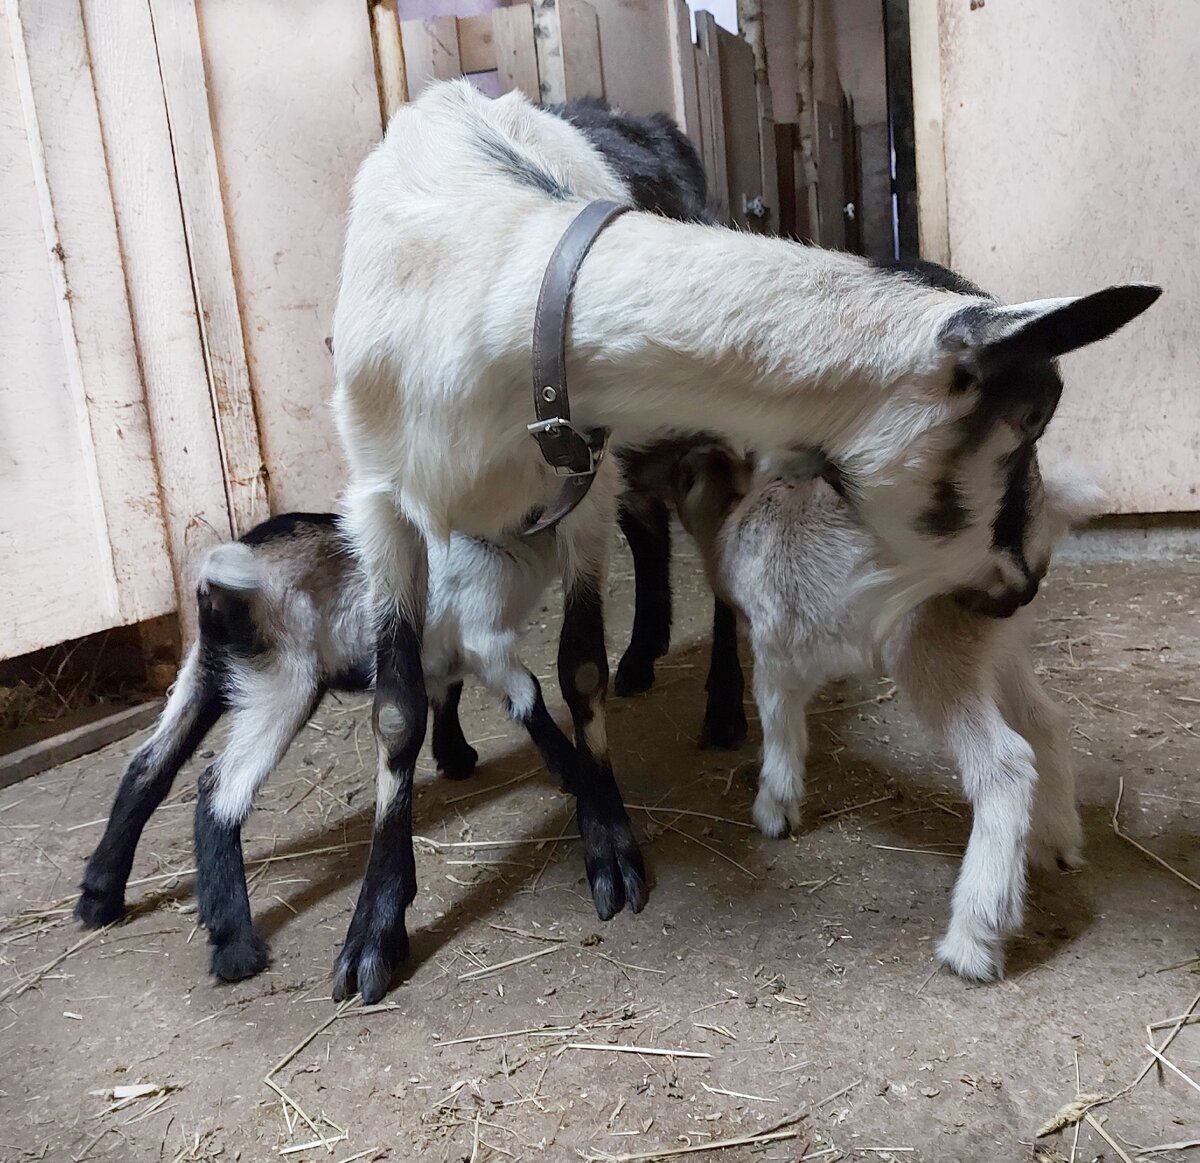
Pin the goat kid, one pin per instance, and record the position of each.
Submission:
(929, 406)
(284, 617)
(790, 556)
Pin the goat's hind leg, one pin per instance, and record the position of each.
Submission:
(275, 703)
(615, 868)
(454, 756)
(724, 713)
(646, 523)
(194, 706)
(394, 554)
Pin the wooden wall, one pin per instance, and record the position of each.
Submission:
(1057, 153)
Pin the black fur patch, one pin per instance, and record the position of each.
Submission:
(947, 515)
(287, 525)
(930, 274)
(651, 155)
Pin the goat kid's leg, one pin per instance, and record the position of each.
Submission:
(646, 524)
(396, 559)
(615, 869)
(195, 705)
(274, 705)
(724, 713)
(454, 756)
(1056, 835)
(782, 708)
(998, 774)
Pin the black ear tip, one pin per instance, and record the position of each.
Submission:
(1141, 295)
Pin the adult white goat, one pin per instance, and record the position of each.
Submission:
(925, 404)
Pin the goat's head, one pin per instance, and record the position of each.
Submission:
(961, 509)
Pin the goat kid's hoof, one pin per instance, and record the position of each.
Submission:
(96, 909)
(1064, 853)
(616, 871)
(776, 818)
(634, 676)
(368, 963)
(973, 960)
(460, 765)
(244, 956)
(726, 733)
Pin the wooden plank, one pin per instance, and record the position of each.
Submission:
(71, 744)
(389, 58)
(476, 43)
(768, 162)
(430, 51)
(579, 37)
(637, 38)
(58, 103)
(137, 144)
(831, 175)
(516, 51)
(712, 110)
(294, 111)
(57, 583)
(920, 140)
(201, 199)
(685, 103)
(743, 157)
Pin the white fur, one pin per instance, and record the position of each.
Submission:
(673, 326)
(311, 604)
(789, 556)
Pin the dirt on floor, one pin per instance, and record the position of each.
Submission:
(765, 979)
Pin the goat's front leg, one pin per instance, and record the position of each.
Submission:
(615, 869)
(724, 713)
(394, 555)
(1056, 836)
(273, 706)
(646, 523)
(782, 709)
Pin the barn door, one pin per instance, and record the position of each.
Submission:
(1056, 154)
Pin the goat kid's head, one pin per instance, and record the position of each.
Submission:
(970, 519)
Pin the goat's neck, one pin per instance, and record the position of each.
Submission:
(758, 340)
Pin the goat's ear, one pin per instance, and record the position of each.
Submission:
(1049, 328)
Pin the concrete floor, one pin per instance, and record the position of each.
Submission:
(799, 971)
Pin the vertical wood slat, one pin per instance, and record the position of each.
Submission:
(185, 89)
(389, 58)
(137, 143)
(686, 106)
(831, 175)
(516, 50)
(568, 50)
(476, 43)
(712, 110)
(739, 103)
(58, 100)
(430, 51)
(929, 144)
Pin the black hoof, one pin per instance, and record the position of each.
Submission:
(459, 764)
(368, 963)
(96, 909)
(616, 871)
(635, 676)
(243, 957)
(728, 732)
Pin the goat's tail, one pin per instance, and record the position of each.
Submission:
(231, 579)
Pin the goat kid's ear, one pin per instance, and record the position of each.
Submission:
(1047, 328)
